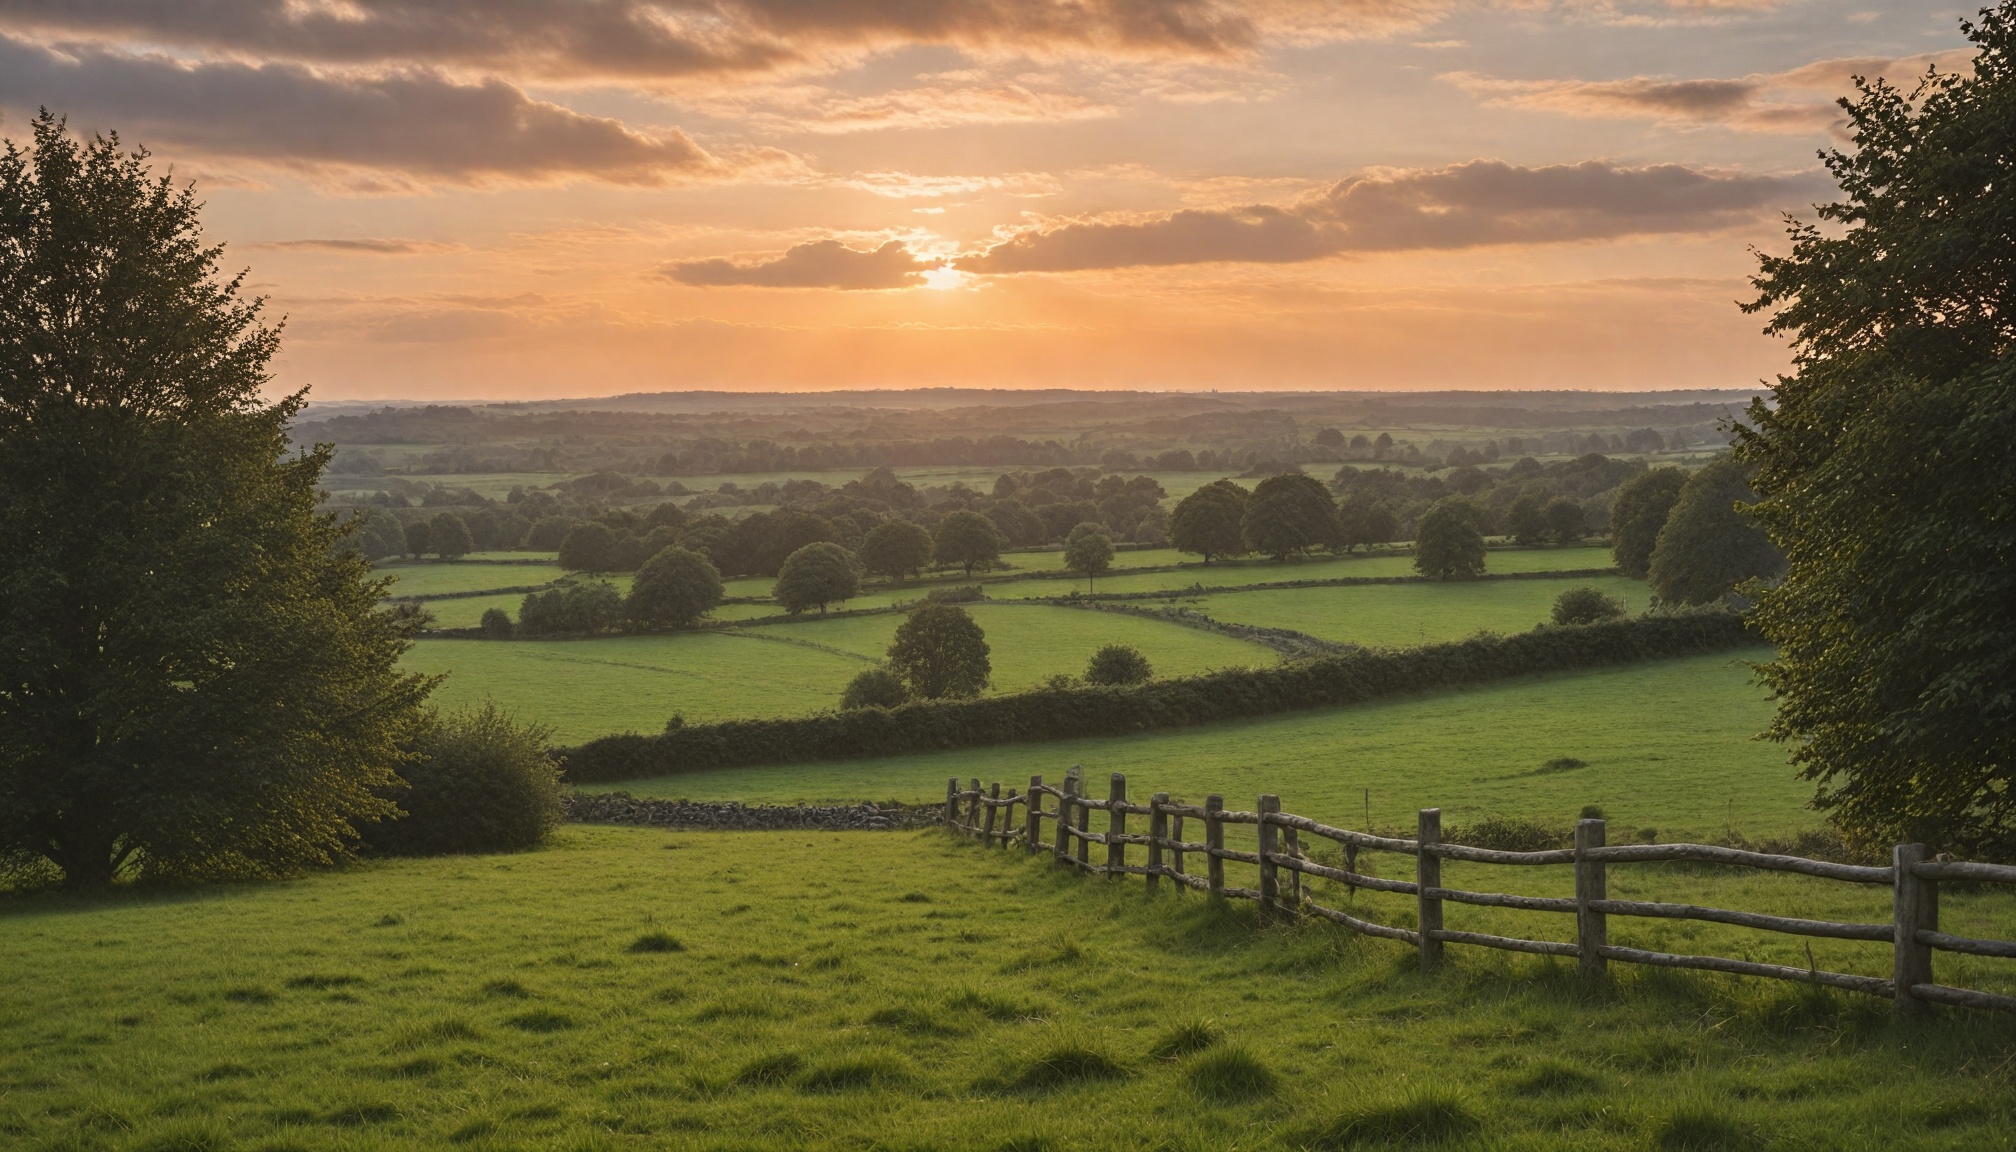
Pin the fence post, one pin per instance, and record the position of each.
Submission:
(1176, 834)
(1428, 874)
(1291, 845)
(1062, 851)
(1008, 819)
(1914, 905)
(993, 794)
(1084, 824)
(1592, 928)
(1158, 831)
(952, 802)
(1032, 840)
(1116, 826)
(1270, 837)
(1214, 842)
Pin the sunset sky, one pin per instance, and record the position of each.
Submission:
(511, 199)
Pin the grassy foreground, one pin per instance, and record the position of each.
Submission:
(637, 989)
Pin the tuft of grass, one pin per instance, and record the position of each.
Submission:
(414, 1036)
(1562, 764)
(540, 1020)
(916, 1021)
(249, 995)
(1703, 1128)
(656, 942)
(1230, 1075)
(772, 1068)
(359, 1114)
(1063, 1066)
(1422, 1117)
(225, 1071)
(856, 1073)
(914, 898)
(507, 990)
(321, 983)
(1184, 1039)
(1554, 1078)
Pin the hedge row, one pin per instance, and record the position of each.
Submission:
(1065, 713)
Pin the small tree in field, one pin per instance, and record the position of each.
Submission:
(875, 688)
(496, 625)
(1118, 664)
(1526, 519)
(939, 651)
(1585, 606)
(448, 537)
(1447, 545)
(896, 548)
(1207, 521)
(967, 539)
(196, 679)
(817, 575)
(673, 589)
(1089, 549)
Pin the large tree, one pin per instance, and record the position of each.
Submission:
(195, 677)
(1290, 513)
(816, 575)
(1884, 466)
(1207, 521)
(940, 651)
(896, 548)
(1638, 513)
(673, 589)
(1447, 544)
(967, 539)
(1709, 545)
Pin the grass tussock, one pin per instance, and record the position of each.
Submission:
(656, 942)
(1062, 1065)
(1423, 1117)
(1184, 1039)
(1230, 1075)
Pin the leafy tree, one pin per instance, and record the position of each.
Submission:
(1290, 513)
(448, 537)
(896, 548)
(666, 515)
(673, 589)
(496, 625)
(1586, 605)
(1447, 545)
(1885, 469)
(817, 575)
(967, 539)
(875, 688)
(477, 781)
(380, 536)
(1207, 521)
(1639, 512)
(548, 533)
(1566, 522)
(1017, 524)
(1526, 519)
(590, 547)
(1089, 549)
(1708, 545)
(940, 651)
(419, 538)
(1364, 519)
(583, 609)
(1118, 664)
(198, 680)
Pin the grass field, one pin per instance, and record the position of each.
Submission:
(1398, 615)
(1668, 744)
(428, 579)
(1224, 574)
(630, 989)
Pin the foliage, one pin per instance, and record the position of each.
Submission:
(577, 609)
(673, 589)
(1364, 519)
(875, 688)
(1642, 505)
(896, 548)
(380, 536)
(419, 538)
(1053, 714)
(1118, 664)
(968, 540)
(1207, 521)
(548, 533)
(1526, 520)
(198, 680)
(1585, 605)
(496, 625)
(1566, 522)
(817, 575)
(1885, 468)
(1089, 549)
(590, 547)
(448, 537)
(1447, 544)
(957, 594)
(477, 781)
(939, 651)
(1709, 545)
(1290, 513)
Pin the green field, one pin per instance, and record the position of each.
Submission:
(1669, 744)
(630, 989)
(432, 579)
(467, 611)
(1229, 574)
(1399, 615)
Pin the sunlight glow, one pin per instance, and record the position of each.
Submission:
(944, 278)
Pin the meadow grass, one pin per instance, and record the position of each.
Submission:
(629, 988)
(1402, 615)
(1255, 571)
(430, 578)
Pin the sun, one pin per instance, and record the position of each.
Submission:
(944, 278)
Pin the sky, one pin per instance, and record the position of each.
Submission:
(514, 199)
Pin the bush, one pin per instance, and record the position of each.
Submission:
(496, 625)
(1586, 606)
(479, 781)
(957, 594)
(673, 589)
(874, 688)
(1117, 664)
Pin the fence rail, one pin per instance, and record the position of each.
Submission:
(1912, 876)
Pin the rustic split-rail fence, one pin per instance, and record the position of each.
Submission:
(1912, 876)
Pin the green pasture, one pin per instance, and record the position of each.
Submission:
(1362, 564)
(467, 611)
(432, 579)
(1402, 615)
(633, 989)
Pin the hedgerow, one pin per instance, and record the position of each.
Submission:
(1069, 712)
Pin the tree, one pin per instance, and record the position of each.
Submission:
(380, 536)
(1207, 521)
(1566, 522)
(967, 539)
(448, 537)
(817, 575)
(1330, 438)
(590, 547)
(1526, 519)
(673, 589)
(1586, 605)
(1884, 469)
(580, 610)
(198, 679)
(1708, 545)
(874, 688)
(548, 533)
(939, 651)
(1447, 545)
(1118, 664)
(1364, 519)
(496, 625)
(419, 538)
(1290, 513)
(1089, 549)
(1638, 513)
(896, 548)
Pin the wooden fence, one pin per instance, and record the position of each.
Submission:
(1912, 877)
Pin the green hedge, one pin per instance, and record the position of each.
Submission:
(1065, 713)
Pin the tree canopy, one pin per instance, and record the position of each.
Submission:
(896, 548)
(967, 539)
(673, 589)
(1207, 521)
(1447, 545)
(589, 547)
(940, 651)
(1709, 545)
(1642, 505)
(816, 575)
(1089, 549)
(198, 678)
(1884, 471)
(1290, 513)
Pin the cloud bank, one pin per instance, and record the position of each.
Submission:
(818, 264)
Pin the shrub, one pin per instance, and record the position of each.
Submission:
(1117, 664)
(816, 575)
(673, 589)
(581, 609)
(959, 594)
(496, 625)
(1586, 605)
(874, 688)
(478, 781)
(940, 651)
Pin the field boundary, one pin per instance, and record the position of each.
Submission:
(1913, 876)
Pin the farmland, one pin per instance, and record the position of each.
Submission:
(1396, 615)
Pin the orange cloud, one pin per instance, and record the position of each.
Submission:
(819, 264)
